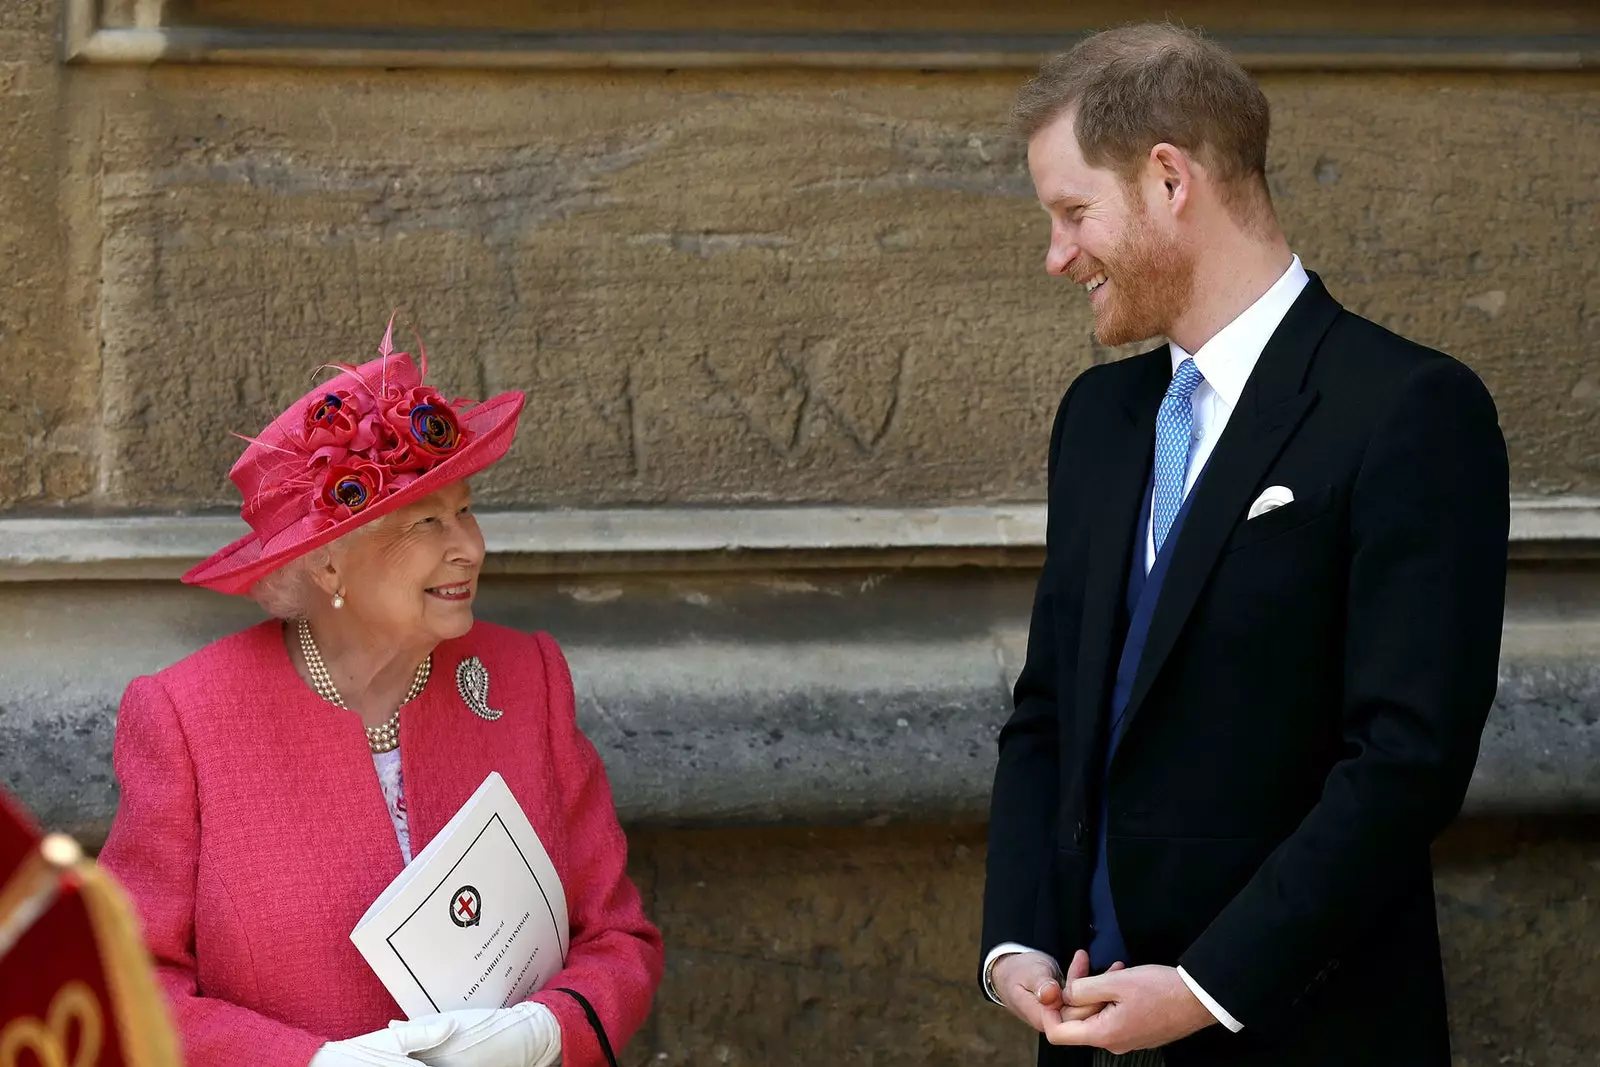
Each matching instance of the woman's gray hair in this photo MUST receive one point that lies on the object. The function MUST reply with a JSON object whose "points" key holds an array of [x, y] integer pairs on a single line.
{"points": [[287, 592]]}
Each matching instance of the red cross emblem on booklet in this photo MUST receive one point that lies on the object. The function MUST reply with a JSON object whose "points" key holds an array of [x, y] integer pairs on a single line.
{"points": [[466, 907]]}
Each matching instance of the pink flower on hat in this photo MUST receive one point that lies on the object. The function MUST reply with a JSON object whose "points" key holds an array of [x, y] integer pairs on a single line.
{"points": [[332, 420], [348, 488], [338, 424], [395, 452], [425, 423]]}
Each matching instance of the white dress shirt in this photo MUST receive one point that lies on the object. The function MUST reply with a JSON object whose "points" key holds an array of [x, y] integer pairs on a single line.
{"points": [[1225, 362]]}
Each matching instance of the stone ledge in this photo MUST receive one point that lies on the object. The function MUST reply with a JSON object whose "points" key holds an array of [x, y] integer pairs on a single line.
{"points": [[672, 539], [755, 697], [724, 735]]}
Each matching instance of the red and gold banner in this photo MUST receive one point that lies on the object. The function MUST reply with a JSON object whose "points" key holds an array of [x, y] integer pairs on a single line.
{"points": [[76, 984]]}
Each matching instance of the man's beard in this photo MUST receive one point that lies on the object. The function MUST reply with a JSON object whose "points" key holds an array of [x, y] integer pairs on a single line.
{"points": [[1150, 285]]}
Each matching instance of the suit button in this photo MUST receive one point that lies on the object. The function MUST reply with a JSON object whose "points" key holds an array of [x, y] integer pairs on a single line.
{"points": [[1080, 832]]}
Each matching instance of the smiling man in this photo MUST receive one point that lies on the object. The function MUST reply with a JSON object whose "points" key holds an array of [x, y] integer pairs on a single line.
{"points": [[1266, 635]]}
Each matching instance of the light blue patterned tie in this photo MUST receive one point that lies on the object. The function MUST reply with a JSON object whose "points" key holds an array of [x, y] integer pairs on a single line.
{"points": [[1174, 443]]}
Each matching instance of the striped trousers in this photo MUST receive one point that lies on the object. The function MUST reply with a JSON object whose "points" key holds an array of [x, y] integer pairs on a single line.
{"points": [[1147, 1058]]}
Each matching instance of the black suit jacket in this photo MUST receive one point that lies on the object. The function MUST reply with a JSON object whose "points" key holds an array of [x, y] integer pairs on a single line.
{"points": [[1307, 711]]}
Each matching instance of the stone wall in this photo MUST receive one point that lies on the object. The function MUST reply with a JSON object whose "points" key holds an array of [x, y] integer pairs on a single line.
{"points": [[717, 286]]}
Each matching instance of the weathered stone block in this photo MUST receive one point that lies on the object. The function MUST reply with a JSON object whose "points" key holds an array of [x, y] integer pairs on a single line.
{"points": [[728, 287], [48, 439], [1519, 912], [809, 947], [1468, 194]]}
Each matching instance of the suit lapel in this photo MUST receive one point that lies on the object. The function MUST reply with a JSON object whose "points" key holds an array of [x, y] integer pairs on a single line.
{"points": [[1274, 401], [1129, 442]]}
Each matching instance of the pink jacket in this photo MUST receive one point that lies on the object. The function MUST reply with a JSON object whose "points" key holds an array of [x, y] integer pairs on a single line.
{"points": [[253, 834]]}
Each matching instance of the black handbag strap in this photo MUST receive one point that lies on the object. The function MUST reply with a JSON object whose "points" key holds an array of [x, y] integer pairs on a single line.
{"points": [[594, 1021]]}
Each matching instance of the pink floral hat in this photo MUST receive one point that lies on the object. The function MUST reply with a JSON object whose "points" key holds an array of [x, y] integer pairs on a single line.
{"points": [[363, 444]]}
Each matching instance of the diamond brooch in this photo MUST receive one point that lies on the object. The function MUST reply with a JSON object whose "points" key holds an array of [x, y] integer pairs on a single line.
{"points": [[472, 679]]}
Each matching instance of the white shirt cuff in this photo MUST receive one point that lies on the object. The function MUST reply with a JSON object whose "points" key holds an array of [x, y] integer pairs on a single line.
{"points": [[1005, 948], [1205, 998]]}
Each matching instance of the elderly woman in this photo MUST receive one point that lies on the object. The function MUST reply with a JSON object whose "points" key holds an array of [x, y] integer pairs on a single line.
{"points": [[275, 782]]}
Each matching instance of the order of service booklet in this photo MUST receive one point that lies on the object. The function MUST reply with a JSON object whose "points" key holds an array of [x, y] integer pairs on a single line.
{"points": [[477, 920]]}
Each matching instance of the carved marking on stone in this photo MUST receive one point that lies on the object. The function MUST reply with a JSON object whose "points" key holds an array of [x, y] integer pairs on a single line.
{"points": [[775, 413], [632, 423], [618, 408], [857, 420], [789, 396]]}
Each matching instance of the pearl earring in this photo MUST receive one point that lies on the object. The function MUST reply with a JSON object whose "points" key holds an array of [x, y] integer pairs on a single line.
{"points": [[338, 600]]}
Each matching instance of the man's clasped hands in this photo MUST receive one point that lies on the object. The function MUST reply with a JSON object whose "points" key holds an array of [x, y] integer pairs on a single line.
{"points": [[1122, 1010]]}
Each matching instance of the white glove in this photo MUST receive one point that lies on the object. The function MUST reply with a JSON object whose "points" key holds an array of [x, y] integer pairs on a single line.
{"points": [[387, 1048], [523, 1035]]}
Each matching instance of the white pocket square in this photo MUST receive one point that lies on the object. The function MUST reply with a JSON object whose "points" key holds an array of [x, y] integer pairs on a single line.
{"points": [[1273, 496]]}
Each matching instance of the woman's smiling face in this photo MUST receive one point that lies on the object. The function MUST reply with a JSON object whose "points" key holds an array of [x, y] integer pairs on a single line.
{"points": [[410, 578]]}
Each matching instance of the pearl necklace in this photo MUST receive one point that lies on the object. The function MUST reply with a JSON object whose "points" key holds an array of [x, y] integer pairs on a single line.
{"points": [[384, 737]]}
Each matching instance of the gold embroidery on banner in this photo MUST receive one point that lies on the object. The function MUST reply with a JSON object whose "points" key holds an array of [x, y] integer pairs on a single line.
{"points": [[47, 1041]]}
